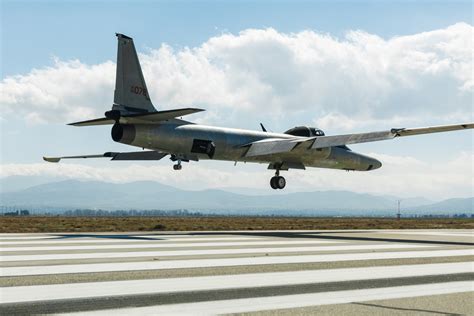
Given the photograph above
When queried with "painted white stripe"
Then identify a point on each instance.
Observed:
(436, 233)
(201, 263)
(21, 238)
(453, 232)
(292, 301)
(131, 254)
(197, 235)
(34, 293)
(161, 244)
(24, 234)
(84, 240)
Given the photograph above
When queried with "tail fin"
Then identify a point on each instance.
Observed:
(132, 104)
(131, 94)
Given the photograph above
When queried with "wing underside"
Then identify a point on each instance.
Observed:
(138, 155)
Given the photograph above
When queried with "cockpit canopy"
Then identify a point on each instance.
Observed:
(305, 131)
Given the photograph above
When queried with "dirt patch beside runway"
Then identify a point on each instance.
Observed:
(41, 224)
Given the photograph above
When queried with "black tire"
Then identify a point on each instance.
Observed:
(280, 182)
(273, 183)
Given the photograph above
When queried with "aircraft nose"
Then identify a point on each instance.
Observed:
(376, 164)
(373, 164)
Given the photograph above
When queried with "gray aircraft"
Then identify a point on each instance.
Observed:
(135, 121)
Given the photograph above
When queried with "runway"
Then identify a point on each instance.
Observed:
(350, 272)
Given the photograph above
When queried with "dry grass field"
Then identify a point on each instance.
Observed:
(41, 224)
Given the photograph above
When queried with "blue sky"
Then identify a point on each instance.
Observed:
(36, 33)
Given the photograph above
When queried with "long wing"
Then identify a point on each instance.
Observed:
(338, 140)
(272, 146)
(138, 155)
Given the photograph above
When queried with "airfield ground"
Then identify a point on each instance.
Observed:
(297, 272)
(42, 224)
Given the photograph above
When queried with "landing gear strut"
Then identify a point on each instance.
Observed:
(277, 182)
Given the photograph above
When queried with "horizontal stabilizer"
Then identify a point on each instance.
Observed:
(138, 155)
(142, 118)
(94, 122)
(159, 115)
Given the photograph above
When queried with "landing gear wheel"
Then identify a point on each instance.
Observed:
(273, 183)
(281, 182)
(277, 182)
(177, 167)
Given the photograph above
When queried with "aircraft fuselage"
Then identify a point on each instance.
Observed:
(190, 141)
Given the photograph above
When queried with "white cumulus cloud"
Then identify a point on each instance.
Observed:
(305, 76)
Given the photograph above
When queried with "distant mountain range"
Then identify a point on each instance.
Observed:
(39, 194)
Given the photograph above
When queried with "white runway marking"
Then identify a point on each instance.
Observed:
(25, 238)
(466, 234)
(165, 244)
(461, 233)
(214, 234)
(49, 241)
(22, 234)
(136, 287)
(201, 263)
(131, 254)
(292, 301)
(59, 283)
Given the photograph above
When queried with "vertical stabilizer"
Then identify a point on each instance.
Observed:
(131, 94)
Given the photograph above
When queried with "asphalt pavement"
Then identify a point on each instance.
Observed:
(349, 272)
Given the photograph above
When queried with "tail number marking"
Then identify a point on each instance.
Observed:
(139, 90)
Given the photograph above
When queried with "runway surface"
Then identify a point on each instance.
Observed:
(368, 272)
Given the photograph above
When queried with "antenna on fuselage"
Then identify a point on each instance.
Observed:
(263, 127)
